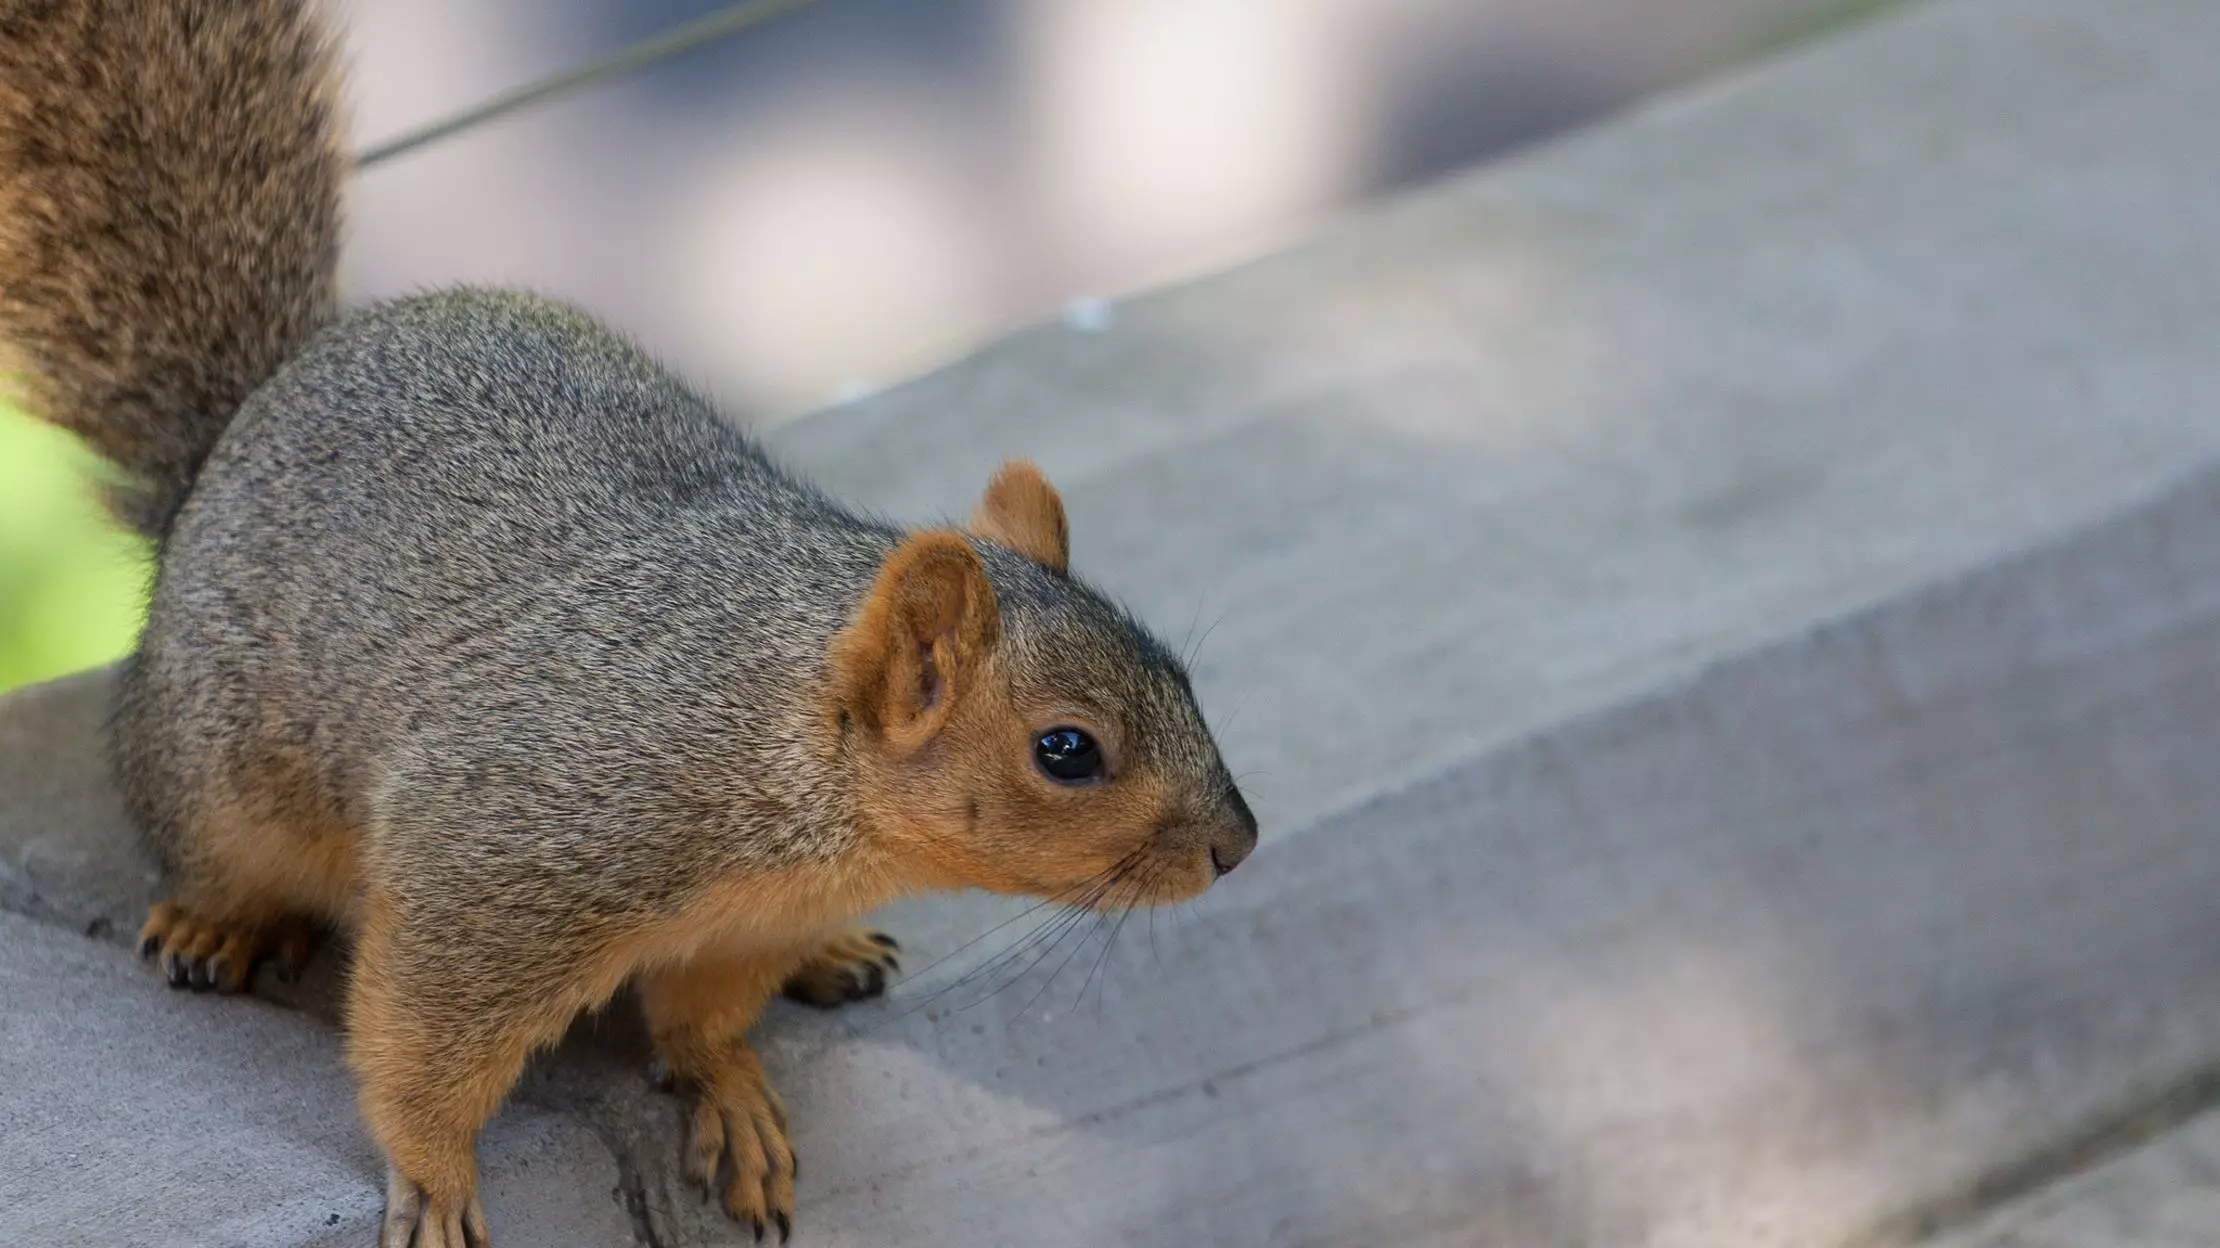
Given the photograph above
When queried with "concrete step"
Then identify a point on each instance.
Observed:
(133, 1115)
(1549, 436)
(2163, 1192)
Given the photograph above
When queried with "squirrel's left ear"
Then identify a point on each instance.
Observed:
(919, 640)
(1021, 511)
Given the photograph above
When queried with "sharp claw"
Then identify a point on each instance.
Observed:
(757, 1223)
(881, 938)
(875, 983)
(786, 1227)
(148, 945)
(173, 966)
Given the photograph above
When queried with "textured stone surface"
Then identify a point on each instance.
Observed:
(67, 854)
(2165, 1194)
(134, 1115)
(1725, 616)
(1823, 932)
(1543, 437)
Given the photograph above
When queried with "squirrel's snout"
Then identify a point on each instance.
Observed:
(1224, 860)
(1235, 838)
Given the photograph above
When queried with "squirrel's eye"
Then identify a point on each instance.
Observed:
(1068, 756)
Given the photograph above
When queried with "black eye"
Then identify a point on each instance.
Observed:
(1068, 756)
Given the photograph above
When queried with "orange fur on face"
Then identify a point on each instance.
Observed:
(1022, 511)
(947, 787)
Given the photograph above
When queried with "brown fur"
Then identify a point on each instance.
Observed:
(477, 633)
(1023, 512)
(431, 1077)
(113, 116)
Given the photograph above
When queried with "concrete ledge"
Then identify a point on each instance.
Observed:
(1821, 933)
(1543, 438)
(1727, 613)
(2164, 1193)
(132, 1115)
(67, 853)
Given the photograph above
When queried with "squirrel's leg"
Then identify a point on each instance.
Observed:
(850, 967)
(436, 1042)
(699, 1014)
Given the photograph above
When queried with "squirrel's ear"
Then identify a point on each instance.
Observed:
(1021, 511)
(919, 639)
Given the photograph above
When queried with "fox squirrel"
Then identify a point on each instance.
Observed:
(477, 635)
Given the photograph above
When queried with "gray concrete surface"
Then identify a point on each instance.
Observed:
(2164, 1193)
(135, 1115)
(67, 853)
(1543, 437)
(1724, 620)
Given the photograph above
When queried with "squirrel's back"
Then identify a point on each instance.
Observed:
(170, 180)
(491, 503)
(474, 501)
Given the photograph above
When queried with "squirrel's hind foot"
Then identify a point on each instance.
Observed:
(202, 955)
(853, 967)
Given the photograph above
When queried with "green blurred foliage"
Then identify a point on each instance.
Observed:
(72, 585)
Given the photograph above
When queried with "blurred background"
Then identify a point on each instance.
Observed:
(851, 193)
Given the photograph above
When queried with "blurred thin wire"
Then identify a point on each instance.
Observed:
(685, 37)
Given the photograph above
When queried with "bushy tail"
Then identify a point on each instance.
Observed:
(170, 174)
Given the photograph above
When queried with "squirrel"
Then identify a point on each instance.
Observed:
(480, 637)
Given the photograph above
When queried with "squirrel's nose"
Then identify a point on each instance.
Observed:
(1235, 838)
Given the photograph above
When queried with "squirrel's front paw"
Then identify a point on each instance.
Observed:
(849, 968)
(414, 1220)
(737, 1133)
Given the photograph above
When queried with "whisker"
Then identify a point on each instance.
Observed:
(1054, 975)
(1081, 922)
(1123, 875)
(1238, 707)
(1197, 650)
(1100, 958)
(1050, 900)
(1047, 933)
(1074, 919)
(1081, 895)
(1154, 960)
(1192, 621)
(1050, 930)
(1113, 888)
(1155, 870)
